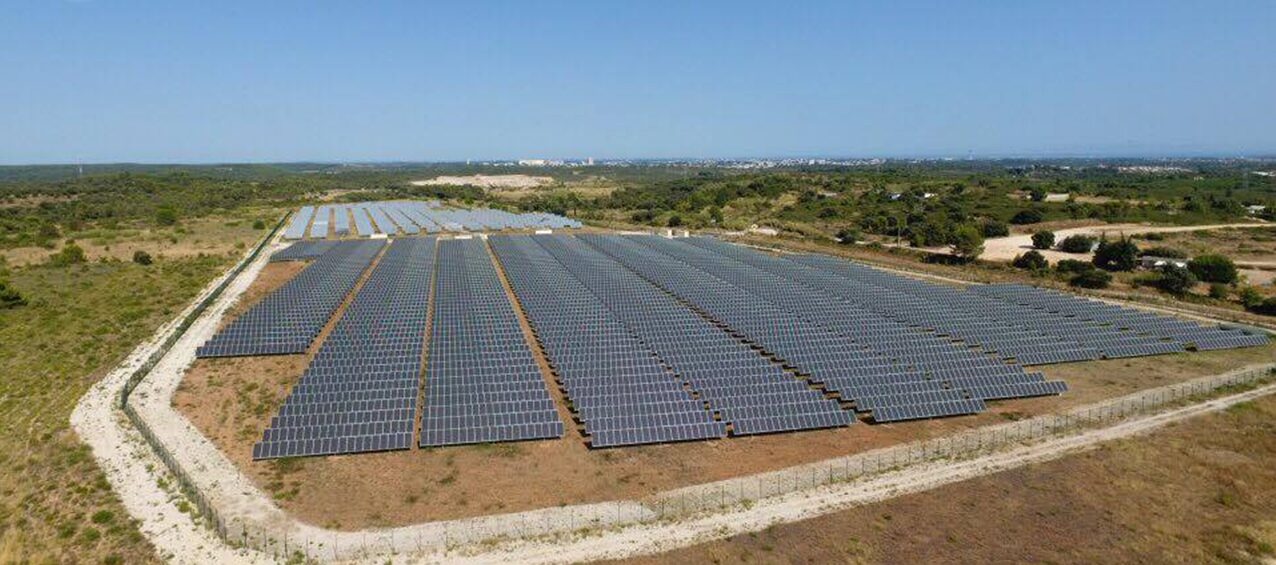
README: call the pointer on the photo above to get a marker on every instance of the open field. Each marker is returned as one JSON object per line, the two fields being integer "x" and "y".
{"x": 80, "y": 321}
{"x": 499, "y": 182}
{"x": 232, "y": 400}
{"x": 217, "y": 235}
{"x": 1198, "y": 491}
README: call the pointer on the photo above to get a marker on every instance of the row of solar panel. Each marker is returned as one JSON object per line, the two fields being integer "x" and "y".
{"x": 410, "y": 217}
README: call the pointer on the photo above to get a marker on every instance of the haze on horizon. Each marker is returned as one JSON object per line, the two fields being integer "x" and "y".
{"x": 96, "y": 81}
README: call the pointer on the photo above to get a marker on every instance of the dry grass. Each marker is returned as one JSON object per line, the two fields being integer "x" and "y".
{"x": 1200, "y": 491}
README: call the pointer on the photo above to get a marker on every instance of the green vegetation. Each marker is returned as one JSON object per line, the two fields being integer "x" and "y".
{"x": 1213, "y": 268}
{"x": 1093, "y": 278}
{"x": 1119, "y": 255}
{"x": 1032, "y": 261}
{"x": 1043, "y": 239}
{"x": 1076, "y": 244}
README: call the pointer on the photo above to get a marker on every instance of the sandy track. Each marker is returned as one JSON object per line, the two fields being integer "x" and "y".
{"x": 1006, "y": 248}
{"x": 134, "y": 470}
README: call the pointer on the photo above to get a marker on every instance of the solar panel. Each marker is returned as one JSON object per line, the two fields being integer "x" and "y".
{"x": 482, "y": 383}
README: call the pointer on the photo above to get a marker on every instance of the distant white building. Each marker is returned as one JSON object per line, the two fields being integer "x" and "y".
{"x": 1256, "y": 209}
{"x": 1152, "y": 263}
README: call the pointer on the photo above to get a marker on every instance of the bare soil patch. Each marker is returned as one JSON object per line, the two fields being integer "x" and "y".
{"x": 488, "y": 181}
{"x": 1200, "y": 491}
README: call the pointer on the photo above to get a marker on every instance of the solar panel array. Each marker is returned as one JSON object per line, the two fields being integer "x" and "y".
{"x": 360, "y": 392}
{"x": 303, "y": 250}
{"x": 854, "y": 353}
{"x": 300, "y": 221}
{"x": 411, "y": 218}
{"x": 621, "y": 391}
{"x": 290, "y": 318}
{"x": 748, "y": 391}
{"x": 482, "y": 383}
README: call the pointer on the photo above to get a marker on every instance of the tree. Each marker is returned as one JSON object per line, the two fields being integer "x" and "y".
{"x": 1093, "y": 278}
{"x": 259, "y": 224}
{"x": 1213, "y": 268}
{"x": 847, "y": 236}
{"x": 993, "y": 228}
{"x": 1176, "y": 280}
{"x": 1266, "y": 307}
{"x": 1037, "y": 194}
{"x": 10, "y": 297}
{"x": 1029, "y": 216}
{"x": 1043, "y": 239}
{"x": 1032, "y": 261}
{"x": 141, "y": 257}
{"x": 1076, "y": 244}
{"x": 1119, "y": 255}
{"x": 675, "y": 221}
{"x": 968, "y": 242}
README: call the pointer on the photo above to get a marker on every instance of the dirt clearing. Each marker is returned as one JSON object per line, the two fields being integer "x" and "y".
{"x": 488, "y": 181}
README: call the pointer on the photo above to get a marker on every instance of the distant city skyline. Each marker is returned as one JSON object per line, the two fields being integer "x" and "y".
{"x": 238, "y": 82}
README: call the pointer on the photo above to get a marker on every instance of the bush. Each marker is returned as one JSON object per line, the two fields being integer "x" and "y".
{"x": 1074, "y": 266}
{"x": 1092, "y": 278}
{"x": 1076, "y": 244}
{"x": 1037, "y": 195}
{"x": 1032, "y": 261}
{"x": 968, "y": 242}
{"x": 1119, "y": 255}
{"x": 1176, "y": 280}
{"x": 70, "y": 255}
{"x": 1167, "y": 252}
{"x": 848, "y": 236}
{"x": 141, "y": 257}
{"x": 166, "y": 216}
{"x": 1266, "y": 307}
{"x": 993, "y": 228}
{"x": 1029, "y": 216}
{"x": 1043, "y": 239}
{"x": 675, "y": 221}
{"x": 1218, "y": 291}
{"x": 1250, "y": 297}
{"x": 259, "y": 225}
{"x": 10, "y": 297}
{"x": 1213, "y": 268}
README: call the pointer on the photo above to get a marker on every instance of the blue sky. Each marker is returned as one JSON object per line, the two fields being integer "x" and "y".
{"x": 110, "y": 81}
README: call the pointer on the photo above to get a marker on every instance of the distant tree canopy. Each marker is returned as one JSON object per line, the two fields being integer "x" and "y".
{"x": 1176, "y": 280}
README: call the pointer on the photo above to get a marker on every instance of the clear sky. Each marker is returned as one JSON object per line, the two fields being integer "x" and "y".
{"x": 186, "y": 81}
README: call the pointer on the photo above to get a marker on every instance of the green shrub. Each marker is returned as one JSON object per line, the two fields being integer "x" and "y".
{"x": 968, "y": 242}
{"x": 259, "y": 225}
{"x": 1266, "y": 307}
{"x": 1029, "y": 216}
{"x": 1076, "y": 244}
{"x": 141, "y": 257}
{"x": 1250, "y": 297}
{"x": 675, "y": 221}
{"x": 848, "y": 236}
{"x": 1213, "y": 268}
{"x": 1176, "y": 280}
{"x": 1093, "y": 278}
{"x": 1119, "y": 255}
{"x": 72, "y": 254}
{"x": 1161, "y": 251}
{"x": 1218, "y": 291}
{"x": 993, "y": 228}
{"x": 10, "y": 297}
{"x": 166, "y": 216}
{"x": 1043, "y": 239}
{"x": 1073, "y": 266}
{"x": 1032, "y": 261}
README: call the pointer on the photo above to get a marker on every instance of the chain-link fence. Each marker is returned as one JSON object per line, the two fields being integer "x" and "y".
{"x": 681, "y": 504}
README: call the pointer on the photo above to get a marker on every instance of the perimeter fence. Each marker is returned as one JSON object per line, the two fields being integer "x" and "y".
{"x": 686, "y": 503}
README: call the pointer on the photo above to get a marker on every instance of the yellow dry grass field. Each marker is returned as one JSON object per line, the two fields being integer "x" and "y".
{"x": 191, "y": 238}
{"x": 1200, "y": 491}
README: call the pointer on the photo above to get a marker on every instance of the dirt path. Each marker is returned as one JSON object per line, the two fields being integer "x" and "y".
{"x": 1006, "y": 248}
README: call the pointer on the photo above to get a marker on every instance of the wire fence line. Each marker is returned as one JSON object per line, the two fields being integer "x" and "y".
{"x": 290, "y": 542}
{"x": 689, "y": 502}
{"x": 187, "y": 487}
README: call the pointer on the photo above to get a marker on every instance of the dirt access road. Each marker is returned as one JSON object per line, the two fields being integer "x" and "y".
{"x": 1006, "y": 248}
